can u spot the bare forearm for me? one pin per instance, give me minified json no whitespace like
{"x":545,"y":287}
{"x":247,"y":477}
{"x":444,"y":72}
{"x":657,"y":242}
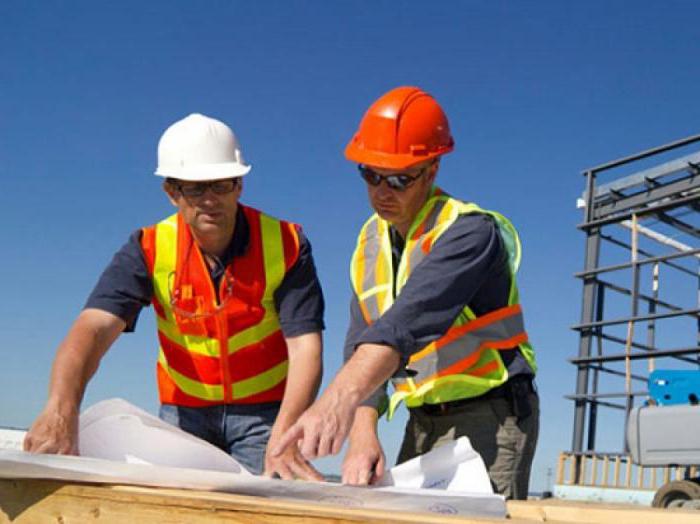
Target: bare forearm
{"x":365,"y":423}
{"x":303,"y":378}
{"x":56,"y":428}
{"x":370,"y":366}
{"x":323,"y":427}
{"x":78,"y":357}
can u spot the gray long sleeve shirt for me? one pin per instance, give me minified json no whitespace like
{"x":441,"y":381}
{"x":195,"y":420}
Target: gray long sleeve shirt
{"x":468,"y":265}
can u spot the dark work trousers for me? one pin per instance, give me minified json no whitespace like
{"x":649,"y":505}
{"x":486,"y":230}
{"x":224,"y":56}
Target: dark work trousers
{"x":505,"y":442}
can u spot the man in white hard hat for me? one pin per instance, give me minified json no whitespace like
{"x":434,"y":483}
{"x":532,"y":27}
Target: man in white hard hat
{"x":238,"y":305}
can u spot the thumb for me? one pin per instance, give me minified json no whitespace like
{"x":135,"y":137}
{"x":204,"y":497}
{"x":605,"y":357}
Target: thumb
{"x":379,"y":469}
{"x":288,"y":437}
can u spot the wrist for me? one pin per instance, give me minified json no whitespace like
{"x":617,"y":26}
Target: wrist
{"x":63,"y":407}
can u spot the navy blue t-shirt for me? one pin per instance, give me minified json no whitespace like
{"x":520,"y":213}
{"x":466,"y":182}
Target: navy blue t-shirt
{"x":125,"y":286}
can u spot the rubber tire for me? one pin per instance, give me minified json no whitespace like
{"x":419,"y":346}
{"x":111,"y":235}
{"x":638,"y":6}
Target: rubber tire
{"x":678,"y":490}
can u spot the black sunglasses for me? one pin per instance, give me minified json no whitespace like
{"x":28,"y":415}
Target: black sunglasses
{"x":398,"y":182}
{"x":197,"y":189}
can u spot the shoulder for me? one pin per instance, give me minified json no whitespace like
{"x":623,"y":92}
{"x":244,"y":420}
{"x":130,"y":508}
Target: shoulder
{"x":477,"y":228}
{"x":251,"y":213}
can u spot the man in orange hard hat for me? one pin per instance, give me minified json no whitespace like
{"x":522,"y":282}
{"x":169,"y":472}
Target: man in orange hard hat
{"x":238,"y":306}
{"x":435,"y":309}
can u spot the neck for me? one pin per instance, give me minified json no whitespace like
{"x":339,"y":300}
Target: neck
{"x":214,"y":243}
{"x":402,"y":229}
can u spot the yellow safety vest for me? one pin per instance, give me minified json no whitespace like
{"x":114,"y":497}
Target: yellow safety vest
{"x":464,"y":362}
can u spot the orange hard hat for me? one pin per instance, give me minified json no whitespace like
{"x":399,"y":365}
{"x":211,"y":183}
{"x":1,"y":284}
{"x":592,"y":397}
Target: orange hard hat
{"x":403,"y":127}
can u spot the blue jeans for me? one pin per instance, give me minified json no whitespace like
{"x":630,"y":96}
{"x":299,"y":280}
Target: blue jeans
{"x":241,"y":430}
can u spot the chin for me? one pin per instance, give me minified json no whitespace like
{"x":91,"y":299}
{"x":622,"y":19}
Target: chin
{"x":389,"y":216}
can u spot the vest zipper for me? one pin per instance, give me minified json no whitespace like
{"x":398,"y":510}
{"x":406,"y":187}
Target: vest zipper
{"x":221,"y":328}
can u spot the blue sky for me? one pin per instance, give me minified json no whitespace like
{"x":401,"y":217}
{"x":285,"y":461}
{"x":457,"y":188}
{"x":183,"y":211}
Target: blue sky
{"x":535,"y":93}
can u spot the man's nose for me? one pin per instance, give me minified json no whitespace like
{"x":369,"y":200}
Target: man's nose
{"x":383,"y":190}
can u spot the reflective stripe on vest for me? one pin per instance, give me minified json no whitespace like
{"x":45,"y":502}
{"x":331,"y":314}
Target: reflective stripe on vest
{"x":464,"y":362}
{"x":225,"y":345}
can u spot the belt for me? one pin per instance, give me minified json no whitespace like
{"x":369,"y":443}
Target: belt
{"x":519,"y":383}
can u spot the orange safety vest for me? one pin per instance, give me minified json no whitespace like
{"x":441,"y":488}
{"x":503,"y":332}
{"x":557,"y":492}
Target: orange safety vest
{"x":219,"y":346}
{"x":464,"y":362}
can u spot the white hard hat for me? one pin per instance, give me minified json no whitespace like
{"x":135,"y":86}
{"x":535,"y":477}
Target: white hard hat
{"x":200,"y":148}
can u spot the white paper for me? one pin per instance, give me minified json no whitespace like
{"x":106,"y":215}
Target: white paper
{"x":116,"y":430}
{"x":454,"y":466}
{"x":129,"y":446}
{"x":12,"y":438}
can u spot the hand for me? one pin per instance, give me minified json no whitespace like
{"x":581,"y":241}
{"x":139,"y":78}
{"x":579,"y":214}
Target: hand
{"x":364,"y":461}
{"x":290,"y":464}
{"x":321,"y":429}
{"x":53,"y":432}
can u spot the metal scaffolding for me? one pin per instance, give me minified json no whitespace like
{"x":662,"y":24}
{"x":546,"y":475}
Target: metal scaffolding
{"x":641,"y":276}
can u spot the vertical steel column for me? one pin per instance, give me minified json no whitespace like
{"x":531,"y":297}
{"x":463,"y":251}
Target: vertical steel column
{"x":593,"y":405}
{"x":590,"y":286}
{"x":698,"y":321}
{"x":629,"y":404}
{"x":651,"y":325}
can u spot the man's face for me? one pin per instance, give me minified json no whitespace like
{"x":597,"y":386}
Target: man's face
{"x":400,"y":207}
{"x":208,"y":207}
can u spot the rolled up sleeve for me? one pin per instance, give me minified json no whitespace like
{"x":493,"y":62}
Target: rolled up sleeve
{"x":299,"y":299}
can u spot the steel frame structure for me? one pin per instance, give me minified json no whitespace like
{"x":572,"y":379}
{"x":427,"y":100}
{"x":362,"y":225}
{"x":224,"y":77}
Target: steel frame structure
{"x":665,"y":195}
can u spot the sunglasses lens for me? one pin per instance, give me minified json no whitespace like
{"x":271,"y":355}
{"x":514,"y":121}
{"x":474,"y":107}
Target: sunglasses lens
{"x":370,"y":176}
{"x":398,"y":182}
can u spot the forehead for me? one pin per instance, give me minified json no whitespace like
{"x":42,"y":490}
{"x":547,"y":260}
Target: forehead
{"x":203,"y":182}
{"x":411,"y":170}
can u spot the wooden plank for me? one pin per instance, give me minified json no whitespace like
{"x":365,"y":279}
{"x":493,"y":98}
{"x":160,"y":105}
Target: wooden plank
{"x":561,"y":465}
{"x":594,"y":470}
{"x":606,"y":470}
{"x":551,"y":510}
{"x":617,"y":471}
{"x":628,"y":473}
{"x":29,"y":501}
{"x":573,"y":461}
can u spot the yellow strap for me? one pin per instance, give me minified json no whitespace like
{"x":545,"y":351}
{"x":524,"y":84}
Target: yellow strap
{"x":259,"y":383}
{"x":266,"y":327}
{"x":192,"y":387}
{"x":273,"y":254}
{"x":164,"y":264}
{"x":205,"y":346}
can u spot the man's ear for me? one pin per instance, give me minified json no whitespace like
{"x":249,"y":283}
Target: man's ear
{"x":172,"y":192}
{"x":432,"y":172}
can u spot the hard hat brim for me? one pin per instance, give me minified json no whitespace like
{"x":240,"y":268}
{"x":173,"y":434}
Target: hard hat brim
{"x":389,"y":161}
{"x":203,"y":172}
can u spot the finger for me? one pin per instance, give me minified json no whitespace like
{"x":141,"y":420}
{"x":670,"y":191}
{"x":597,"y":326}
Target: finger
{"x":294,"y":433}
{"x":363,"y":476}
{"x":348,"y":476}
{"x":378,"y":471}
{"x":47,"y":447}
{"x":325,"y":443}
{"x":337,"y":443}
{"x":28,"y":443}
{"x":304,"y":470}
{"x":283,"y":471}
{"x":269,"y":470}
{"x":308,"y":447}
